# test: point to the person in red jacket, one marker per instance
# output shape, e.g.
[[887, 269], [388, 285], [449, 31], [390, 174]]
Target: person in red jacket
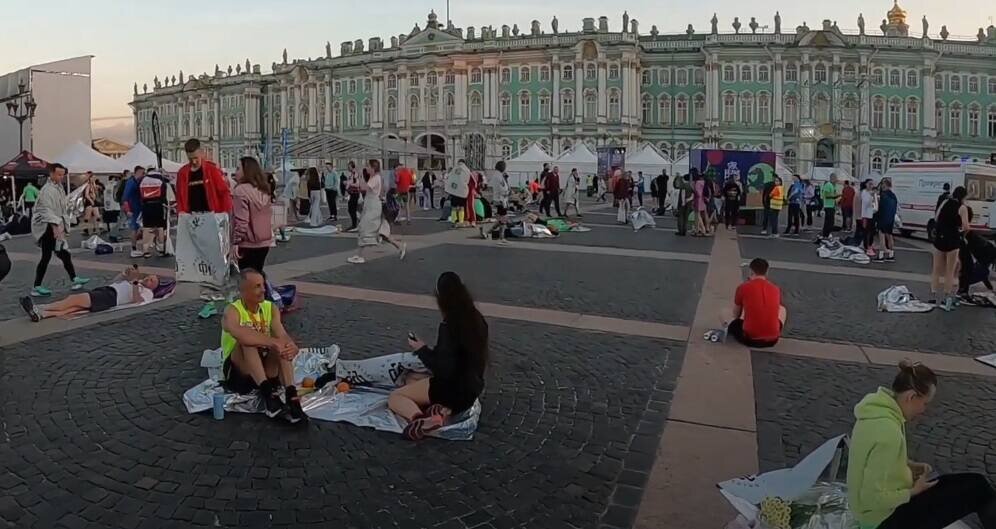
[[201, 187]]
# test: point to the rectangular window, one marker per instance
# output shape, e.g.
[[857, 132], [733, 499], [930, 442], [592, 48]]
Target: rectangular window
[[681, 77], [912, 79], [791, 73], [525, 73], [973, 85], [938, 82], [955, 83], [664, 76]]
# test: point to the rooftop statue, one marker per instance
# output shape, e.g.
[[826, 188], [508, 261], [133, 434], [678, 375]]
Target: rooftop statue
[[778, 23], [753, 25], [555, 25], [861, 24], [715, 24]]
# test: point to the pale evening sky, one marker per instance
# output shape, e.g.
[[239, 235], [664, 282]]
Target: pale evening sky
[[135, 41]]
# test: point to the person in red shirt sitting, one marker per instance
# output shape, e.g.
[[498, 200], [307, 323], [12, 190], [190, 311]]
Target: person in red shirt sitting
[[201, 187], [757, 309]]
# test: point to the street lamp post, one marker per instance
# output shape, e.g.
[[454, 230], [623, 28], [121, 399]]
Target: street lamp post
[[22, 108]]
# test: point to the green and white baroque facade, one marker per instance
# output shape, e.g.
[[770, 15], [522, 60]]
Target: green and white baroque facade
[[853, 100]]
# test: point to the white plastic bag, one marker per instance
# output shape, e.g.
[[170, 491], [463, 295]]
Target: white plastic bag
[[202, 248]]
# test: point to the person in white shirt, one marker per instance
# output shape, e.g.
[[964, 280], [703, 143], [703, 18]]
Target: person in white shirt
[[869, 204], [112, 209], [129, 287], [292, 181]]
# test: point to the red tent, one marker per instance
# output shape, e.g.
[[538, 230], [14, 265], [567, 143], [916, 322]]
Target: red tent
[[25, 166]]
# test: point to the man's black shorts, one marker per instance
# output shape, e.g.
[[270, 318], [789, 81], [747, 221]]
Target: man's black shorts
[[103, 298], [236, 381], [736, 330]]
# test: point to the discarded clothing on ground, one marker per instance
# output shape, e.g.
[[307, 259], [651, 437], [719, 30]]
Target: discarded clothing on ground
[[900, 299], [641, 218], [95, 242], [202, 248], [323, 231], [365, 404], [565, 226], [838, 251]]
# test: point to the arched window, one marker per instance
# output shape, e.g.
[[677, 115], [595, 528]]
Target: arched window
[[664, 105], [544, 74], [878, 162], [645, 78], [366, 113], [895, 78], [450, 104], [392, 81], [954, 118], [764, 108], [878, 77], [821, 108], [747, 107], [698, 76], [567, 73], [505, 108], [791, 110], [664, 77], [729, 74], [746, 73], [992, 121], [699, 108], [955, 82], [895, 108], [475, 76], [789, 158], [590, 105], [850, 105], [680, 150], [729, 107], [590, 72], [912, 79], [893, 160], [791, 73], [681, 76], [648, 109], [544, 106], [665, 148], [413, 104], [352, 86], [392, 110], [878, 113], [506, 150], [763, 74], [525, 74], [525, 104], [506, 75], [974, 114], [336, 117], [566, 144], [992, 85], [912, 114], [820, 73], [475, 107], [351, 115], [432, 109], [681, 110], [615, 109], [567, 105]]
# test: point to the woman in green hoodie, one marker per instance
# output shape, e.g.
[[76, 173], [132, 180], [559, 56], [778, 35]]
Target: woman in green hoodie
[[888, 491]]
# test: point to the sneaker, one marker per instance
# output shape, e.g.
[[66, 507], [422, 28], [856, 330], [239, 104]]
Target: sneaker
[[404, 250], [295, 413], [890, 257], [764, 232], [78, 282], [136, 253], [41, 292], [879, 258], [421, 426], [29, 308], [4, 236], [272, 406], [948, 305], [356, 259]]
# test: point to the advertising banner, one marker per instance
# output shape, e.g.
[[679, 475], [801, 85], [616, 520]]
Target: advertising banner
[[751, 168], [609, 157]]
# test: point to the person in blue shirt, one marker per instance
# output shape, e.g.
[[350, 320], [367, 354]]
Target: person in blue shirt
[[796, 201], [888, 206], [133, 198]]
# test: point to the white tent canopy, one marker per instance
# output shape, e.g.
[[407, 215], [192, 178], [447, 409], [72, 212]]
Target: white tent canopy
[[80, 158], [647, 160], [680, 166], [140, 154], [527, 165], [579, 157]]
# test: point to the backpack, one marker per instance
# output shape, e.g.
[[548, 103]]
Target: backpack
[[151, 189], [119, 191], [391, 206]]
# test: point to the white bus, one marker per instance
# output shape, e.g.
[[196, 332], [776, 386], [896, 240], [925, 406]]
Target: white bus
[[918, 185]]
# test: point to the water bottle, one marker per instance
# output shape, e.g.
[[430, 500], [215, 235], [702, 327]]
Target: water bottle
[[219, 406]]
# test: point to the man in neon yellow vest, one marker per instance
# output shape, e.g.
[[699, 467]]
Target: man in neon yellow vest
[[257, 351]]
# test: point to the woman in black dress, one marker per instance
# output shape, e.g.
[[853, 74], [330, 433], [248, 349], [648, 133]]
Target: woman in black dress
[[457, 363], [952, 224]]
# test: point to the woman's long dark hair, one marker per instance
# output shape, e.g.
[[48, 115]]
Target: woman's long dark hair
[[313, 179], [462, 318], [253, 175]]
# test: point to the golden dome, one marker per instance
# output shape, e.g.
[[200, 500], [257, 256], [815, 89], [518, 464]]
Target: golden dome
[[897, 15]]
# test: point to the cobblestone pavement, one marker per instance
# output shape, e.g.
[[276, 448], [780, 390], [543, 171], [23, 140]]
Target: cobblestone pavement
[[803, 402], [645, 239], [596, 284], [96, 435], [772, 249], [22, 276], [841, 308]]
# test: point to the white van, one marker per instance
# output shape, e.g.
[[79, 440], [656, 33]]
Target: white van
[[918, 185]]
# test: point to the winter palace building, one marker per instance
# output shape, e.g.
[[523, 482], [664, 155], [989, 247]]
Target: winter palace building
[[858, 100]]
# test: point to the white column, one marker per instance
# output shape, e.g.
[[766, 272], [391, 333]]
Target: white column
[[579, 92], [328, 102], [441, 103], [191, 129], [807, 83], [284, 122], [496, 97], [715, 96], [777, 105], [929, 108], [486, 95], [204, 119], [461, 94], [403, 101], [603, 92], [312, 90], [555, 97]]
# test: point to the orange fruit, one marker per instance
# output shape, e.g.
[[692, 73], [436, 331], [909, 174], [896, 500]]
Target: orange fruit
[[342, 387], [308, 383]]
